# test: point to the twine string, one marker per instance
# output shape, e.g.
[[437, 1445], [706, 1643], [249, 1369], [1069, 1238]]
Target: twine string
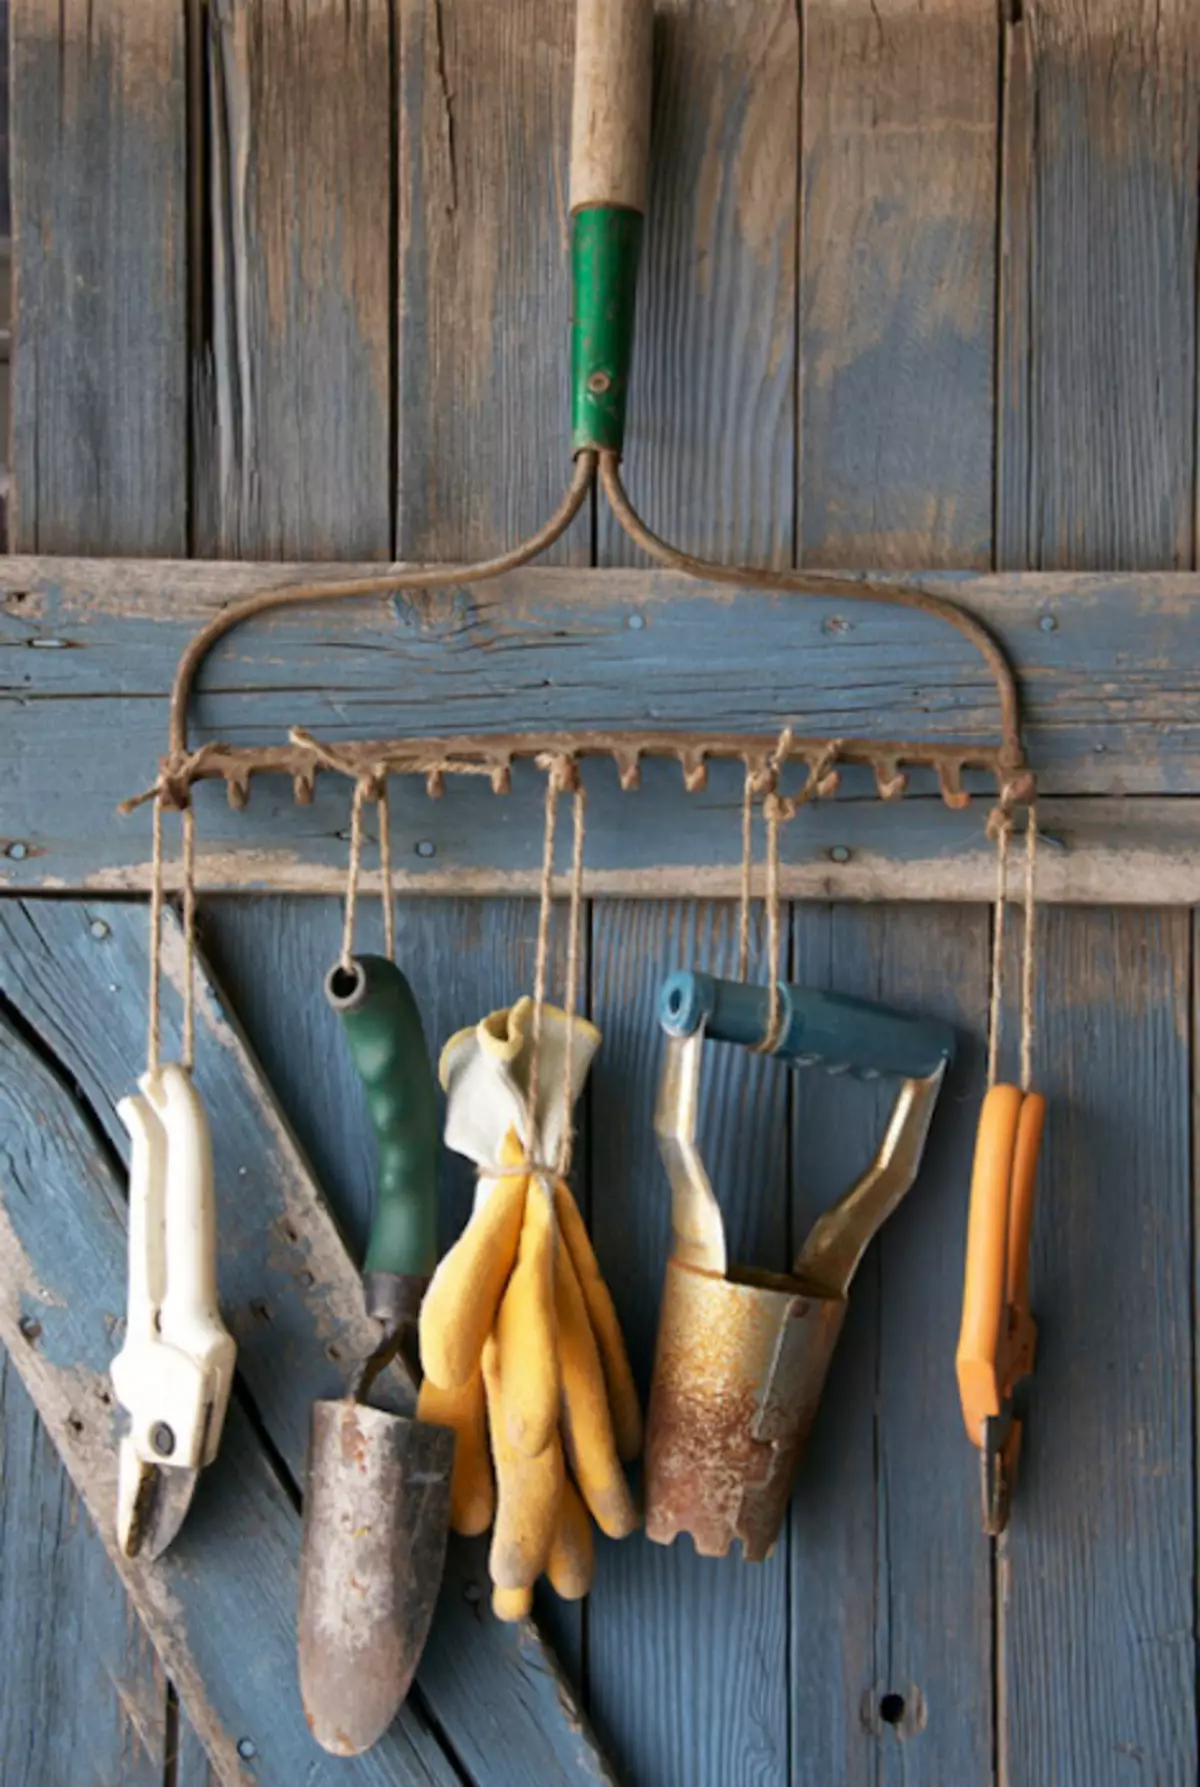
[[383, 806], [566, 1141], [542, 951], [749, 789], [154, 1037], [779, 810], [354, 869], [1029, 951], [188, 823], [773, 815], [1002, 826], [561, 775]]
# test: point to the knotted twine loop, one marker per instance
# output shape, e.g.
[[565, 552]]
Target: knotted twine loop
[[778, 810], [154, 1039], [372, 786], [369, 784], [384, 809], [1029, 950], [176, 774], [1000, 827], [157, 883], [562, 776]]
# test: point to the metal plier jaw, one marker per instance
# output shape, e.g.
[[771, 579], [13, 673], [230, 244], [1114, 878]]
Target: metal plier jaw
[[997, 1343], [174, 1372]]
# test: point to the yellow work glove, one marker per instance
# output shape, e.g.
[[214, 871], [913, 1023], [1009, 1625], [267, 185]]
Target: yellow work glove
[[520, 1343]]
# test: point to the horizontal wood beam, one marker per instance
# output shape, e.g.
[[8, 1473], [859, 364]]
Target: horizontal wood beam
[[1109, 667]]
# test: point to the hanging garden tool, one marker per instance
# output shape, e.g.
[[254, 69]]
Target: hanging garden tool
[[519, 1338], [377, 1491], [997, 1343], [742, 1355], [174, 1372]]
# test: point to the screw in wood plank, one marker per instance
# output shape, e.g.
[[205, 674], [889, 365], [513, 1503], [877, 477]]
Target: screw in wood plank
[[99, 930], [840, 853], [18, 851], [426, 847], [1048, 624], [162, 1438], [247, 1749]]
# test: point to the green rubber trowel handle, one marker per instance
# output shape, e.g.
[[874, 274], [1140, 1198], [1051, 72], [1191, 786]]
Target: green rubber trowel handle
[[387, 1045], [610, 153]]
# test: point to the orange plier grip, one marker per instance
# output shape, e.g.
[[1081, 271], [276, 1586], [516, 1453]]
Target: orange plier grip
[[998, 1337]]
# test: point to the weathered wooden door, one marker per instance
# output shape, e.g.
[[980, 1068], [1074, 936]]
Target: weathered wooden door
[[919, 293]]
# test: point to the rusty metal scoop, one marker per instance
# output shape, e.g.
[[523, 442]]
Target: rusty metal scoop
[[742, 1355], [376, 1514]]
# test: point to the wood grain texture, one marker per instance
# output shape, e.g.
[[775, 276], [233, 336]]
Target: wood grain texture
[[691, 1689], [890, 1580], [711, 436], [80, 1676], [288, 1290], [100, 413], [220, 1606], [1097, 1577], [483, 282], [897, 282], [1098, 285], [293, 449]]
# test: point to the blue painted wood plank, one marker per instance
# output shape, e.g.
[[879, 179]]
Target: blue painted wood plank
[[221, 1606], [891, 1582], [84, 1699], [100, 376], [1098, 235], [711, 440], [483, 298], [687, 1656], [287, 1287], [1097, 1575], [898, 259], [291, 435]]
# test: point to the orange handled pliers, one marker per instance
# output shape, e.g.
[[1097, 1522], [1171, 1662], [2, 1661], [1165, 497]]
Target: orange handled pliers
[[998, 1338]]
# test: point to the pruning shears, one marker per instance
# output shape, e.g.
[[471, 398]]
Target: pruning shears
[[174, 1372], [997, 1343]]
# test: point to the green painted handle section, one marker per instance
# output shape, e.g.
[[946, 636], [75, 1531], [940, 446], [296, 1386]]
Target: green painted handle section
[[387, 1045], [605, 243]]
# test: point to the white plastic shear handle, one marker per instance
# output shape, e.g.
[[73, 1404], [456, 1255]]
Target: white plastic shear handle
[[175, 1370]]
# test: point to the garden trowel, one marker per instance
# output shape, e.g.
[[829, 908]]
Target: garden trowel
[[377, 1496]]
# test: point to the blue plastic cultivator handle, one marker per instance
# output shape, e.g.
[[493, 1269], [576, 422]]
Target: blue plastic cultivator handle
[[828, 1030]]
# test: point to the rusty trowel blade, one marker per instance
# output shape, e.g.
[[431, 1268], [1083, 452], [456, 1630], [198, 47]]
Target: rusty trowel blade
[[376, 1514]]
